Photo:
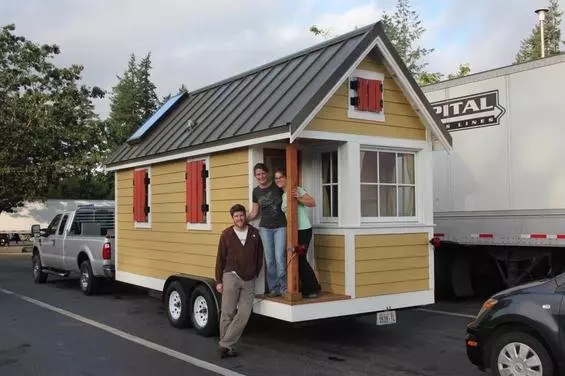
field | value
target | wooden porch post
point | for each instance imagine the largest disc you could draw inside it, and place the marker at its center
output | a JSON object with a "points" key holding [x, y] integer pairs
{"points": [[292, 224]]}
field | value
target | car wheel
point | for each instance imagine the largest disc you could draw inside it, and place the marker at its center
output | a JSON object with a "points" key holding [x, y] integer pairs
{"points": [[177, 305], [518, 353], [39, 276], [204, 315], [88, 283]]}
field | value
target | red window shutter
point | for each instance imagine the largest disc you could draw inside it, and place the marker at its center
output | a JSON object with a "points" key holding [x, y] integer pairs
{"points": [[195, 191], [199, 188], [379, 95], [375, 96], [362, 94], [139, 196], [189, 190]]}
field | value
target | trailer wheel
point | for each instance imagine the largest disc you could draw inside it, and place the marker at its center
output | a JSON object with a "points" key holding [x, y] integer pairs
{"points": [[39, 276], [204, 315], [177, 307]]}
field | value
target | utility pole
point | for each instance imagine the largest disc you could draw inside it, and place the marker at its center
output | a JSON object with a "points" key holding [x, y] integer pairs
{"points": [[541, 18]]}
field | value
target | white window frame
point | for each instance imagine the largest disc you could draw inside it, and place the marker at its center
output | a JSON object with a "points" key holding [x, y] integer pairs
{"points": [[319, 185], [208, 225], [364, 115], [149, 216], [417, 187]]}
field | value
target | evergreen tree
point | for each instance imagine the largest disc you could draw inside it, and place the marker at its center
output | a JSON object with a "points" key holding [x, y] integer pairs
{"points": [[404, 28], [133, 100], [47, 121], [530, 48]]}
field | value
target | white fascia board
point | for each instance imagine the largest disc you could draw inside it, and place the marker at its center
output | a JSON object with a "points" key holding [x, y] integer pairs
{"points": [[203, 151]]}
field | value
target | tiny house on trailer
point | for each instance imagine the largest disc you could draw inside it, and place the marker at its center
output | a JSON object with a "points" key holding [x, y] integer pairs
{"points": [[348, 122]]}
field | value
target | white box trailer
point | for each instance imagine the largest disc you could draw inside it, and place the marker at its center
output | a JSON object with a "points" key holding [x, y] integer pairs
{"points": [[499, 196]]}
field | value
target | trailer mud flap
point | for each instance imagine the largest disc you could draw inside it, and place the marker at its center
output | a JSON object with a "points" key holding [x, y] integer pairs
{"points": [[461, 277]]}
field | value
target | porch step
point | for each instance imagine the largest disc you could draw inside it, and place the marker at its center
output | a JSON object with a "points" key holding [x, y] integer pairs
{"points": [[322, 298]]}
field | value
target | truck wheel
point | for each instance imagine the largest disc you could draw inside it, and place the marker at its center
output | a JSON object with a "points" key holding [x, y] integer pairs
{"points": [[177, 305], [519, 353], [88, 282], [204, 315], [39, 276]]}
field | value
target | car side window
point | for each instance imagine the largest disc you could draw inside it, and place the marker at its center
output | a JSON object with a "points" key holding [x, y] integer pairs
{"points": [[63, 224], [52, 228]]}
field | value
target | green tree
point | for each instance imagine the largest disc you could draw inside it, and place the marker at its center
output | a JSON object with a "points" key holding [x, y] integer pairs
{"points": [[47, 121], [530, 48], [133, 100], [404, 28], [462, 71]]}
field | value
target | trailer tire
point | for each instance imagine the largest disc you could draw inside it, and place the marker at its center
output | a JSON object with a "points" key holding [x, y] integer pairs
{"points": [[88, 282], [177, 305], [203, 313], [39, 276]]}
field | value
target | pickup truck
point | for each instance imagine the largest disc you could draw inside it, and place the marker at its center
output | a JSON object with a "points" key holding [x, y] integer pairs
{"points": [[76, 242]]}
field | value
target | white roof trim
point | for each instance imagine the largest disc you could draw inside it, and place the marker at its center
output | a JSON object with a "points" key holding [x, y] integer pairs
{"points": [[408, 90], [203, 151]]}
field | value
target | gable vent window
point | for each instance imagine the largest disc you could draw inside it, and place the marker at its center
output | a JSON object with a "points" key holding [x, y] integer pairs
{"points": [[366, 96]]}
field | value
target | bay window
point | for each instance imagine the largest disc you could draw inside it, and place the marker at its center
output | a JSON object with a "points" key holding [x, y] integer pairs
{"points": [[388, 184]]}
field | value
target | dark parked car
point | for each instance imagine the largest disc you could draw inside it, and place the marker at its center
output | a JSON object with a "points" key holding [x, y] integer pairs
{"points": [[521, 331]]}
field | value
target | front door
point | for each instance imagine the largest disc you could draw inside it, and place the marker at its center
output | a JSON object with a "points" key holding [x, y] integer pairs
{"points": [[47, 242], [276, 158]]}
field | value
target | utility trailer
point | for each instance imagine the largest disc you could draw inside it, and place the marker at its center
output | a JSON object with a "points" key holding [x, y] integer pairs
{"points": [[499, 196]]}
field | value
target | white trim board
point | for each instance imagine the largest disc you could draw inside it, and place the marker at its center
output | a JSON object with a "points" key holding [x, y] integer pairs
{"points": [[367, 140], [140, 280], [116, 215], [203, 151], [314, 311]]}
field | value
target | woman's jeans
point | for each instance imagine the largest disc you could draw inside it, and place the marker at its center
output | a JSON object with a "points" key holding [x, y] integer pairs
{"points": [[274, 244]]}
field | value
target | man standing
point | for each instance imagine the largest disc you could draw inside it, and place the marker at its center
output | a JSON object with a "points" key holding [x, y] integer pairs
{"points": [[238, 264]]}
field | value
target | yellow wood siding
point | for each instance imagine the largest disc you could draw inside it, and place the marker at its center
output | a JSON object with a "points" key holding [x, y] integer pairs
{"points": [[391, 264], [330, 262], [400, 119], [168, 247]]}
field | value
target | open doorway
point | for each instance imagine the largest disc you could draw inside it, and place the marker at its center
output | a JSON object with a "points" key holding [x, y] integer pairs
{"points": [[276, 158]]}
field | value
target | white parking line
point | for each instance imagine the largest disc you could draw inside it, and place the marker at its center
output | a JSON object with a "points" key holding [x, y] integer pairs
{"points": [[457, 314], [151, 345]]}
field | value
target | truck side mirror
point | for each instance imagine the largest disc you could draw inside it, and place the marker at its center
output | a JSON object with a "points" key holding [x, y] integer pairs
{"points": [[35, 230]]}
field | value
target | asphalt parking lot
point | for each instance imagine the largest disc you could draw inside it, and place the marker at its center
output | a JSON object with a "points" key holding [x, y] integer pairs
{"points": [[54, 329]]}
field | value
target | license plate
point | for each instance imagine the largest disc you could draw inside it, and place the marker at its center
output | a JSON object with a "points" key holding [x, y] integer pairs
{"points": [[386, 318]]}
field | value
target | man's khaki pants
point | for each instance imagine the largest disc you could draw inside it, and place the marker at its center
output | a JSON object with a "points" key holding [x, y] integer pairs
{"points": [[237, 297]]}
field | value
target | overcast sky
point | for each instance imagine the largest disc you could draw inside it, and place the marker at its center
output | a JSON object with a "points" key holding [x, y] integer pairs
{"points": [[195, 42]]}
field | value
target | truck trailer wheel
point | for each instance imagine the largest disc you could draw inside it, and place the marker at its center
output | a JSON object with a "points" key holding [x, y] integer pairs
{"points": [[88, 283], [39, 276], [204, 315], [177, 305]]}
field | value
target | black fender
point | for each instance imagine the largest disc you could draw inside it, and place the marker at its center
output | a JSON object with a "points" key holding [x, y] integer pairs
{"points": [[189, 281]]}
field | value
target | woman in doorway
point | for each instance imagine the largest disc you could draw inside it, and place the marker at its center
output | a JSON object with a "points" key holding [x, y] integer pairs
{"points": [[309, 285], [267, 200]]}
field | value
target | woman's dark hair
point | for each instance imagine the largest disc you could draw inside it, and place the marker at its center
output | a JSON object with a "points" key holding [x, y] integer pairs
{"points": [[280, 171], [260, 166], [237, 208]]}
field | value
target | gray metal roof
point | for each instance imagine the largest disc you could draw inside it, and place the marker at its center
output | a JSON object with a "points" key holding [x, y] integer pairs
{"points": [[273, 98]]}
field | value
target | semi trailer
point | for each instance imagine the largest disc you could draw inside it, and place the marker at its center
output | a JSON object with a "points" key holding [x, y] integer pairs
{"points": [[499, 195]]}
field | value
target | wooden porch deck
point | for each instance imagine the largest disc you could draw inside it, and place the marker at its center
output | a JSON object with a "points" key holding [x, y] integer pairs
{"points": [[322, 298]]}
